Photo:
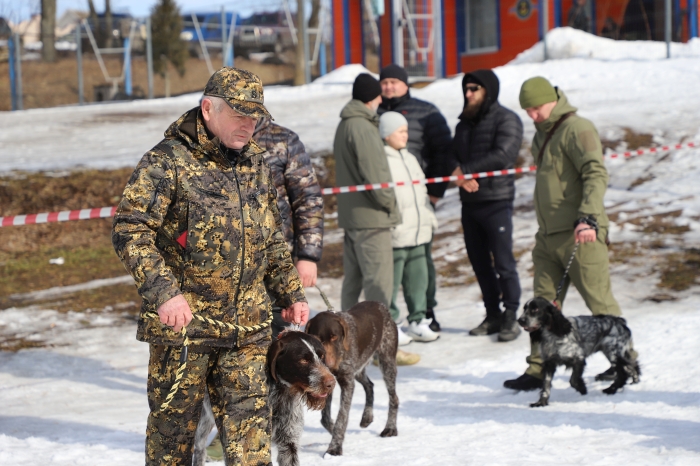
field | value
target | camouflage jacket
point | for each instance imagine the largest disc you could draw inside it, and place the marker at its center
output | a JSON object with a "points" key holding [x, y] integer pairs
{"points": [[298, 194], [190, 223]]}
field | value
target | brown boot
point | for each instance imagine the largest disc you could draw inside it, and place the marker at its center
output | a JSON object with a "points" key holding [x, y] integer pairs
{"points": [[404, 358]]}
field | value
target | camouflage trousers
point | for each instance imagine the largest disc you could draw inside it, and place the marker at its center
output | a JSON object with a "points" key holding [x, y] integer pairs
{"points": [[237, 385]]}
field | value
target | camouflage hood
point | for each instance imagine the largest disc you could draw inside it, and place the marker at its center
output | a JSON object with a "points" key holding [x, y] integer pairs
{"points": [[192, 223]]}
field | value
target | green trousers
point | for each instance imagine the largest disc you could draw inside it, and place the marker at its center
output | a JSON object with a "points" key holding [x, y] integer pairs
{"points": [[368, 266], [589, 273], [411, 272], [237, 385], [432, 287]]}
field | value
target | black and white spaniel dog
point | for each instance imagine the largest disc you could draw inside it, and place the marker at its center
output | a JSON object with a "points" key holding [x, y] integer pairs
{"points": [[568, 341], [297, 377]]}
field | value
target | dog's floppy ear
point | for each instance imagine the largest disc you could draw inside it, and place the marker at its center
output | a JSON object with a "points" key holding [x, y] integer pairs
{"points": [[275, 350], [558, 324], [346, 340]]}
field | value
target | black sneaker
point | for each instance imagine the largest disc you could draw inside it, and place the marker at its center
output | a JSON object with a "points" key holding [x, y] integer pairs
{"points": [[489, 326], [525, 382], [434, 325], [608, 375], [509, 326]]}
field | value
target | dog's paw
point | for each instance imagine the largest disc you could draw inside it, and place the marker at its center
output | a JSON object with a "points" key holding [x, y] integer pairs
{"points": [[366, 420], [580, 387], [610, 390], [389, 432], [336, 450], [539, 404]]}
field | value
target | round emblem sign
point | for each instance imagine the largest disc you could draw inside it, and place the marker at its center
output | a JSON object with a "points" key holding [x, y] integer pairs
{"points": [[523, 9]]}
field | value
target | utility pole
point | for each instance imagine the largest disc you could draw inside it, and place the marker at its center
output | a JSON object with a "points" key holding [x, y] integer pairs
{"points": [[48, 26], [303, 72], [545, 24], [667, 27], [149, 56], [223, 36], [79, 58]]}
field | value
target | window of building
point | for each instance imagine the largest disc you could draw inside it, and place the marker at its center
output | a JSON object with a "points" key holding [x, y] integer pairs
{"points": [[482, 25]]}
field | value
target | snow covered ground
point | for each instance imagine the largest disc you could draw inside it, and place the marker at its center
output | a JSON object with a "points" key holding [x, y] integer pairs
{"points": [[81, 400]]}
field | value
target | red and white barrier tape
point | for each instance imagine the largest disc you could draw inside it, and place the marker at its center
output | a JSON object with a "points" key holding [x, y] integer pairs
{"points": [[105, 212], [439, 179], [52, 217]]}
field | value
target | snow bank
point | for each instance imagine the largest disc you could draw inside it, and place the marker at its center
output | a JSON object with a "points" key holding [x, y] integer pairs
{"points": [[566, 42]]}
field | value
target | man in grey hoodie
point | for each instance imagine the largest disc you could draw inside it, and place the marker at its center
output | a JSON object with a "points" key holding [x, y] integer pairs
{"points": [[366, 216]]}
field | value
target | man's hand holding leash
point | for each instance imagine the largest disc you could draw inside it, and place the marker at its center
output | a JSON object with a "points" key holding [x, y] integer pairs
{"points": [[297, 314], [176, 313], [585, 230]]}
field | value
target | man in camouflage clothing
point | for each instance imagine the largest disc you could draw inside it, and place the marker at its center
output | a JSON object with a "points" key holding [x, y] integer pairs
{"points": [[299, 200], [199, 230]]}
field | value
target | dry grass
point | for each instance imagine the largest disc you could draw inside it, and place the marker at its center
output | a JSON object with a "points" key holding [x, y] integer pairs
{"points": [[331, 264], [14, 344], [681, 271], [85, 245], [641, 180], [633, 139], [53, 84]]}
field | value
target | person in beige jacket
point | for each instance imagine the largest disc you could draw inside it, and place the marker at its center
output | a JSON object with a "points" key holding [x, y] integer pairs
{"points": [[416, 230]]}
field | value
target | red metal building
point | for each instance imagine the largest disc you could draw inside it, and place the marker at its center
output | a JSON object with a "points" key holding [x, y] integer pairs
{"points": [[437, 38]]}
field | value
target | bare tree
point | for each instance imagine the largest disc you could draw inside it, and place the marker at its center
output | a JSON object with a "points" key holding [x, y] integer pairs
{"points": [[48, 30], [109, 35], [315, 11], [94, 23], [299, 70]]}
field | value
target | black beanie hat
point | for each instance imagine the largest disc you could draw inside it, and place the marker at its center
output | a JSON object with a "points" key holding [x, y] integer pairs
{"points": [[394, 71], [366, 88]]}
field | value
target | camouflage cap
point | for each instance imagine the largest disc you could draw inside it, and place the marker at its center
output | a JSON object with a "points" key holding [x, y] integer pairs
{"points": [[241, 89]]}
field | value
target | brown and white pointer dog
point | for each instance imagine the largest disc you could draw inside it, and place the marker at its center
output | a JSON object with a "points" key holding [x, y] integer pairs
{"points": [[350, 339], [297, 376]]}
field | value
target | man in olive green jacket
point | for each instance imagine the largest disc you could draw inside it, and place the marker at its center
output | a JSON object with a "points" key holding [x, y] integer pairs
{"points": [[367, 216], [569, 189]]}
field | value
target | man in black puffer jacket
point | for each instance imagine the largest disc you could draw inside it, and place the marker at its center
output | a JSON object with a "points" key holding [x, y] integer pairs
{"points": [[429, 140], [488, 138]]}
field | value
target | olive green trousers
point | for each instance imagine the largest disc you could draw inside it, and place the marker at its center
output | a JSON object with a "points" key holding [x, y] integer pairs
{"points": [[589, 273]]}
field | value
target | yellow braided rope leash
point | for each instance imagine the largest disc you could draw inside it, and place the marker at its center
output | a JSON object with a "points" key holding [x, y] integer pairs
{"points": [[183, 355], [325, 299]]}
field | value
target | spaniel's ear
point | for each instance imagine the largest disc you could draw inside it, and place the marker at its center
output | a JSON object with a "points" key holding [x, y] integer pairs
{"points": [[275, 350], [558, 324], [346, 332]]}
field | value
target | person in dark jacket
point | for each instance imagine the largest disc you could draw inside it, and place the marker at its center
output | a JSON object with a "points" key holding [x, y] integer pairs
{"points": [[299, 201], [429, 140], [487, 138]]}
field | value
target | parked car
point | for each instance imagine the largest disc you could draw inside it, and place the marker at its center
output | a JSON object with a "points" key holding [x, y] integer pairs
{"points": [[263, 32], [210, 29]]}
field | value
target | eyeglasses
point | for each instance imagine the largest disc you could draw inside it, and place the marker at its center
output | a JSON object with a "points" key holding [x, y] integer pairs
{"points": [[472, 88]]}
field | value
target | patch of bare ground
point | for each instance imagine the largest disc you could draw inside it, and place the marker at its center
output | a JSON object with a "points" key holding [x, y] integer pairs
{"points": [[661, 224], [680, 270], [455, 273], [632, 139], [14, 344], [331, 264], [84, 245]]}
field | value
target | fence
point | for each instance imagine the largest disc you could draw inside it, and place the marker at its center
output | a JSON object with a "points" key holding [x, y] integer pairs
{"points": [[206, 35]]}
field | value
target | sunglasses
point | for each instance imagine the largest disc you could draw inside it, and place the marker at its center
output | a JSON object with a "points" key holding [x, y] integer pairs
{"points": [[472, 88]]}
